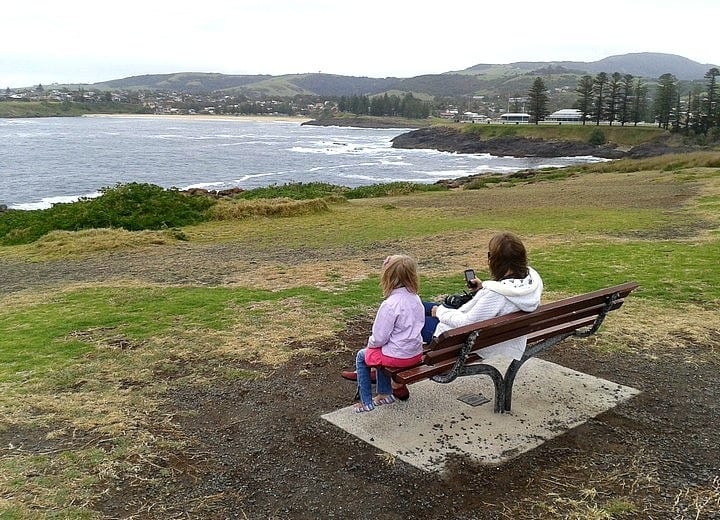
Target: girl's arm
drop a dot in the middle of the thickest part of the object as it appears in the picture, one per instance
(382, 326)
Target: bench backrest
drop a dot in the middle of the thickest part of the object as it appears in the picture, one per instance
(551, 318)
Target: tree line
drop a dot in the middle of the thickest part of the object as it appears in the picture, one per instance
(623, 98)
(386, 105)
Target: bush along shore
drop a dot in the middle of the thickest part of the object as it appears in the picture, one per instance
(143, 206)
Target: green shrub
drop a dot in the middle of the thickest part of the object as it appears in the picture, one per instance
(132, 207)
(332, 193)
(295, 191)
(597, 137)
(234, 209)
(391, 189)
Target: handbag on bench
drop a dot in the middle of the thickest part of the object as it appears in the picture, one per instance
(455, 301)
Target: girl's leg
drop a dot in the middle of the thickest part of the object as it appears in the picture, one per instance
(428, 329)
(363, 378)
(384, 387)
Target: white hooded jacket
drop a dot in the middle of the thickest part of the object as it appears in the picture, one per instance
(496, 299)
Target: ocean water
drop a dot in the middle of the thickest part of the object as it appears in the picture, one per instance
(49, 160)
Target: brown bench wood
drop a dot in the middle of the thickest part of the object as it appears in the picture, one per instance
(454, 353)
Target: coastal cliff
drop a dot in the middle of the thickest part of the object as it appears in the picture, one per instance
(457, 140)
(448, 139)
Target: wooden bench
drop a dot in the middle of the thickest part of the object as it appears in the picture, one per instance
(454, 353)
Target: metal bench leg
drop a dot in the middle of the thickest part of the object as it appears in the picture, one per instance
(497, 379)
(509, 381)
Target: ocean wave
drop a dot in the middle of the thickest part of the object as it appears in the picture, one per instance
(204, 186)
(448, 174)
(378, 180)
(48, 202)
(256, 175)
(340, 148)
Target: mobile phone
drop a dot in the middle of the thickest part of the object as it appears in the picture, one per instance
(469, 277)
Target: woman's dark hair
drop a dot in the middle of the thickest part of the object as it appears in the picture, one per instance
(507, 257)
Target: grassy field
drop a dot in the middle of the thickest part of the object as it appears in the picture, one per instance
(623, 136)
(82, 359)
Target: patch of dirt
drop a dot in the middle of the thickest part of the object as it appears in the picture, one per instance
(259, 449)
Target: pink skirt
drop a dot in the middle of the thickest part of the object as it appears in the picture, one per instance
(374, 357)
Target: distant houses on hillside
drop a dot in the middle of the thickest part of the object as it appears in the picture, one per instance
(565, 115)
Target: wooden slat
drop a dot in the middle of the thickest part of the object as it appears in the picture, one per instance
(424, 371)
(523, 319)
(549, 320)
(494, 335)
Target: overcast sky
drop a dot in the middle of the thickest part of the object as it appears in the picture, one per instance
(49, 42)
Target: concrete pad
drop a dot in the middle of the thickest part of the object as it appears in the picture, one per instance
(548, 400)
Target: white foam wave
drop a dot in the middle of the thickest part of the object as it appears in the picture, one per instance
(379, 180)
(250, 143)
(336, 167)
(256, 175)
(388, 162)
(48, 202)
(204, 185)
(445, 173)
(340, 148)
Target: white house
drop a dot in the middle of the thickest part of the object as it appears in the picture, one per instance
(570, 115)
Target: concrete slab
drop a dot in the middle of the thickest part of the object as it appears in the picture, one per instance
(548, 400)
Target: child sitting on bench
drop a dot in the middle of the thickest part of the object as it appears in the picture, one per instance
(396, 340)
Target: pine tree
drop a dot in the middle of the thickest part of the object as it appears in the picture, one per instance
(599, 90)
(665, 99)
(585, 96)
(711, 111)
(626, 92)
(639, 102)
(613, 96)
(538, 97)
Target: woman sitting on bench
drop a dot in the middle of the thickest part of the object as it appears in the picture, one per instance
(515, 286)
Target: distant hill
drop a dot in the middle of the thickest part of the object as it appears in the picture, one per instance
(644, 64)
(478, 80)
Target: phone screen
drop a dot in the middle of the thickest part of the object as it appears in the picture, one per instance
(469, 275)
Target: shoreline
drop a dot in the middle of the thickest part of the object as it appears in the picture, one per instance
(208, 117)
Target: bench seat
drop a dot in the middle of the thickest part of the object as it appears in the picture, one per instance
(455, 352)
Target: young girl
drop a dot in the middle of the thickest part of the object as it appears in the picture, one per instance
(395, 339)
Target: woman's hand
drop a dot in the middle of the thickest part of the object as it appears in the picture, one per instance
(433, 311)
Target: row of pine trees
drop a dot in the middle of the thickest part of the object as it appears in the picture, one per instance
(624, 99)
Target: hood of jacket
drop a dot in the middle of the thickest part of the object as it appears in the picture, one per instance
(523, 292)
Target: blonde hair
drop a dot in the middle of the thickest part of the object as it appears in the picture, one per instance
(399, 271)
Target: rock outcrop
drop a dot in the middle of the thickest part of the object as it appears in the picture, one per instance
(448, 139)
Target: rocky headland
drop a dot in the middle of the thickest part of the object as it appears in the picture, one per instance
(454, 139)
(447, 139)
